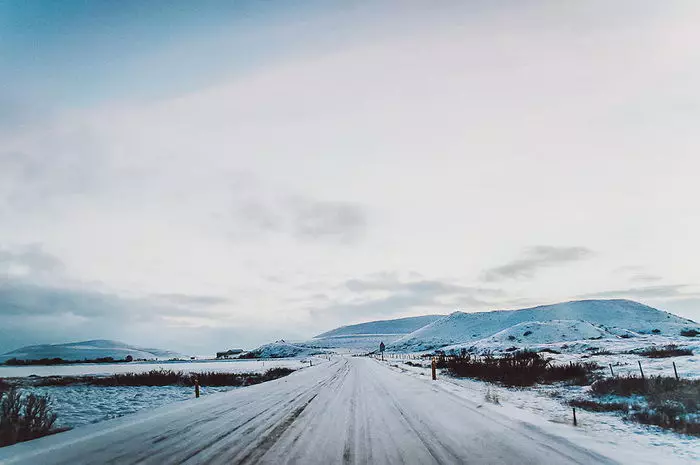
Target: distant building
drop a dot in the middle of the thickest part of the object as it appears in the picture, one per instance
(229, 353)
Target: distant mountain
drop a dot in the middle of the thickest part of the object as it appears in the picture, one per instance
(397, 326)
(602, 318)
(87, 350)
(367, 336)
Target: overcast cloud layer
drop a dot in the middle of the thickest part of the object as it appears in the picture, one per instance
(256, 172)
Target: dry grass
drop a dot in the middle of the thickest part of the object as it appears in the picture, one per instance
(520, 369)
(168, 378)
(24, 417)
(670, 350)
(671, 403)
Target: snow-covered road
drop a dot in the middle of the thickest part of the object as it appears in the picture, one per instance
(349, 410)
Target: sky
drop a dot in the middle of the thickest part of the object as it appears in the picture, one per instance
(206, 175)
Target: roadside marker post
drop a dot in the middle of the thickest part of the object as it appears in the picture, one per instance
(574, 409)
(196, 387)
(433, 366)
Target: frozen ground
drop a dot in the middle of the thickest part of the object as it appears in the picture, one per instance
(350, 410)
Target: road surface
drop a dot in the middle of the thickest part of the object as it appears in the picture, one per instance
(350, 410)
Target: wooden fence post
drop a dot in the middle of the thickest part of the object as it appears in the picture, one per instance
(675, 371)
(196, 387)
(611, 370)
(433, 366)
(574, 408)
(640, 368)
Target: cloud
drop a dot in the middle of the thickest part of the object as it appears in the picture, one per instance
(341, 221)
(645, 278)
(637, 273)
(670, 290)
(193, 300)
(28, 259)
(536, 258)
(386, 294)
(258, 212)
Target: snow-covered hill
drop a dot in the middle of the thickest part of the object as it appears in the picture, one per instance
(367, 336)
(384, 327)
(605, 318)
(87, 350)
(281, 349)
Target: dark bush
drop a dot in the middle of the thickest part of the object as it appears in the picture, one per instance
(669, 416)
(595, 406)
(24, 417)
(60, 361)
(656, 331)
(671, 350)
(520, 369)
(168, 378)
(527, 333)
(658, 390)
(671, 403)
(689, 332)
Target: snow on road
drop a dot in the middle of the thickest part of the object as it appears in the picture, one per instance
(351, 410)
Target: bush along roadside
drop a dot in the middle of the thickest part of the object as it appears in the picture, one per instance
(670, 403)
(24, 417)
(167, 378)
(518, 369)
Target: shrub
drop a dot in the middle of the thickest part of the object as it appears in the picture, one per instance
(163, 377)
(595, 406)
(669, 416)
(520, 369)
(661, 352)
(671, 403)
(24, 417)
(689, 332)
(527, 333)
(656, 331)
(492, 396)
(658, 390)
